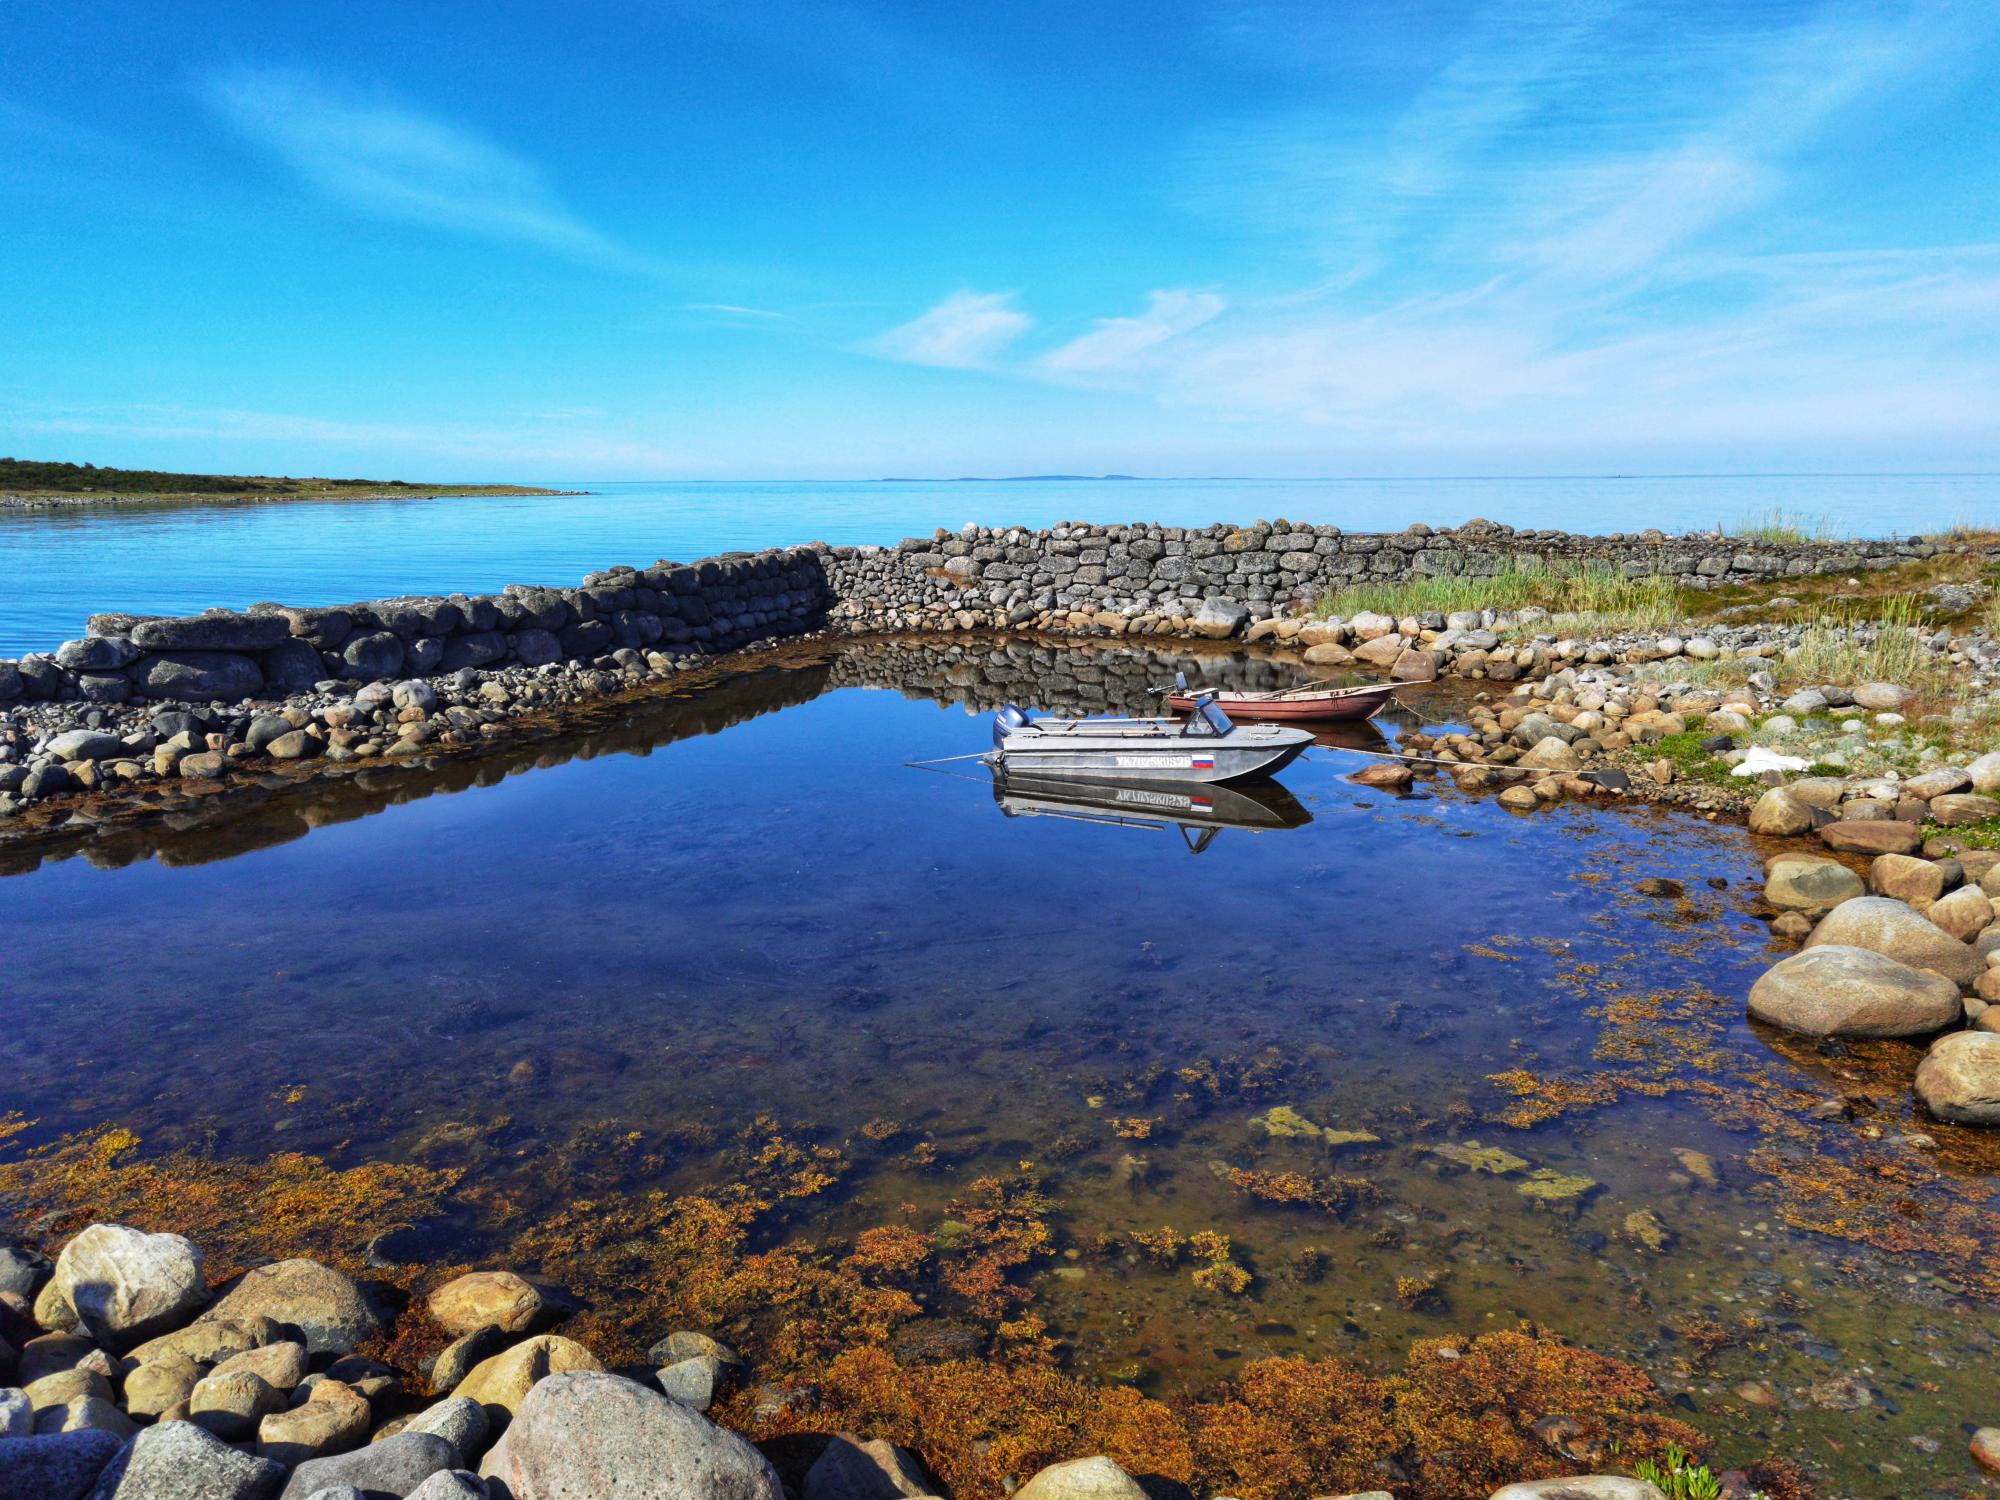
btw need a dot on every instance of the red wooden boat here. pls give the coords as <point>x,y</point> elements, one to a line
<point>1316,701</point>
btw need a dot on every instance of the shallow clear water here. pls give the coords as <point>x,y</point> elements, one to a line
<point>552,965</point>
<point>61,566</point>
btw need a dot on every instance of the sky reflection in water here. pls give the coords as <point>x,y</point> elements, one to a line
<point>668,924</point>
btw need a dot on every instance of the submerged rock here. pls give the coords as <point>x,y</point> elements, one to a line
<point>1478,1158</point>
<point>1546,1185</point>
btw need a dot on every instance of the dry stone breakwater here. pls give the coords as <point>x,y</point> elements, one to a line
<point>148,699</point>
<point>137,1380</point>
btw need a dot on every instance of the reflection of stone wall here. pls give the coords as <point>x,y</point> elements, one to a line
<point>1156,579</point>
<point>277,812</point>
<point>997,671</point>
<point>1125,580</point>
<point>270,651</point>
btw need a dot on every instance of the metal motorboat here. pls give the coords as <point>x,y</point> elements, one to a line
<point>1199,813</point>
<point>1201,745</point>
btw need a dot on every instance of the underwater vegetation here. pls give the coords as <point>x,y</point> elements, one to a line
<point>1456,1421</point>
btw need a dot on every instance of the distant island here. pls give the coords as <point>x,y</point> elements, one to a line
<point>1007,479</point>
<point>28,484</point>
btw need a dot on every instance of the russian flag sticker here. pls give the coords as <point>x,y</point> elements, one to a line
<point>1204,762</point>
<point>1201,804</point>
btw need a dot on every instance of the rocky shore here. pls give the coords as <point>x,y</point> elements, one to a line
<point>138,701</point>
<point>135,1379</point>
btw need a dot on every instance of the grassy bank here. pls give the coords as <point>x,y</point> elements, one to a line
<point>31,483</point>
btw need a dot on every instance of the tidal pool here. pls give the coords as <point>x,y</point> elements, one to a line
<point>1432,1068</point>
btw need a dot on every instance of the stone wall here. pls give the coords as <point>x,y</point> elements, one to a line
<point>1139,579</point>
<point>1145,579</point>
<point>271,650</point>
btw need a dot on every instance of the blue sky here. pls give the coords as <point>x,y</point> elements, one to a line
<point>656,239</point>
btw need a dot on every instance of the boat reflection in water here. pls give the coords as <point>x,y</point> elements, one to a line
<point>1197,813</point>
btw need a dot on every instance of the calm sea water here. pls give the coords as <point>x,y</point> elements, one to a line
<point>60,567</point>
<point>587,968</point>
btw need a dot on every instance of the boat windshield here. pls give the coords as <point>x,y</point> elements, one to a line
<point>1208,719</point>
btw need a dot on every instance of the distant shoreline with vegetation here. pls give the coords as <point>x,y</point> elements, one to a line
<point>26,484</point>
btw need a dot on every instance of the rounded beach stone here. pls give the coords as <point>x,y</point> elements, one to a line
<point>1081,1479</point>
<point>333,1418</point>
<point>1959,808</point>
<point>1959,1079</point>
<point>1584,1487</point>
<point>231,1406</point>
<point>1985,1446</point>
<point>125,1286</point>
<point>160,1385</point>
<point>85,1413</point>
<point>459,1420</point>
<point>1840,991</point>
<point>485,1299</point>
<point>281,1365</point>
<point>590,1433</point>
<point>502,1383</point>
<point>850,1469</point>
<point>1965,913</point>
<point>1895,931</point>
<point>1903,877</point>
<point>1809,883</point>
<point>1780,814</point>
<point>317,1300</point>
<point>1877,836</point>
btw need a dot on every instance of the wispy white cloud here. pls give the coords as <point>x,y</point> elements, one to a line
<point>963,332</point>
<point>1582,227</point>
<point>1116,346</point>
<point>388,159</point>
<point>732,310</point>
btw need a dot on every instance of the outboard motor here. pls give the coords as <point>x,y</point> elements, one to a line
<point>1009,718</point>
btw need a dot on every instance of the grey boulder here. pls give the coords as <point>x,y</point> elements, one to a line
<point>328,1309</point>
<point>216,631</point>
<point>125,1285</point>
<point>55,1466</point>
<point>180,1461</point>
<point>85,744</point>
<point>387,1470</point>
<point>591,1433</point>
<point>459,1420</point>
<point>451,1484</point>
<point>198,676</point>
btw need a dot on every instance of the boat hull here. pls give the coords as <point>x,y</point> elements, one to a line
<point>1235,757</point>
<point>1327,709</point>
